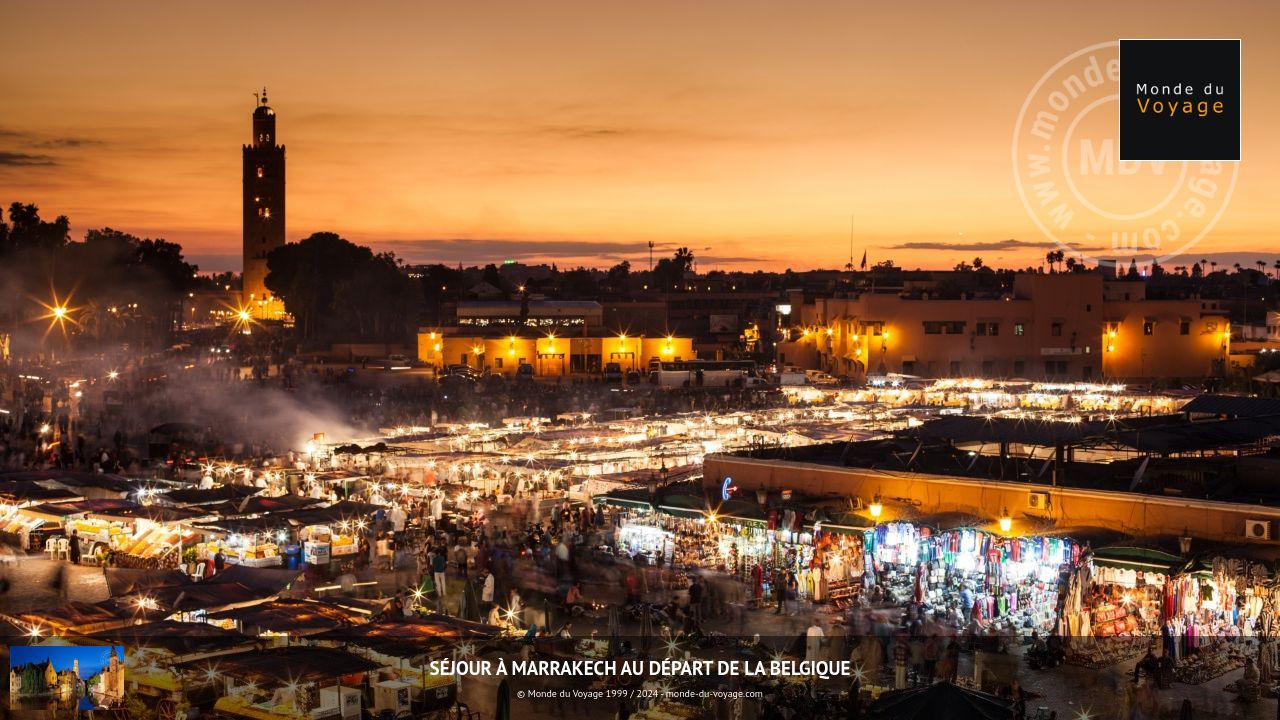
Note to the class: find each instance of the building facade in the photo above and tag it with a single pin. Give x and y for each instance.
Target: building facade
(264, 210)
(555, 337)
(1068, 327)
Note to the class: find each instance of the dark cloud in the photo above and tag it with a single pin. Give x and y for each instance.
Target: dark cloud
(17, 159)
(586, 132)
(593, 253)
(979, 246)
(67, 142)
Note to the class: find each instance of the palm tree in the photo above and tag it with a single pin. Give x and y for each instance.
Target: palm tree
(1277, 267)
(1213, 266)
(1262, 266)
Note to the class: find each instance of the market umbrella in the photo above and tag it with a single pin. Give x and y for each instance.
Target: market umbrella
(614, 643)
(940, 700)
(503, 711)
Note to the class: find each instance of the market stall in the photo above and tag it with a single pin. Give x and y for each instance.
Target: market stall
(968, 574)
(157, 536)
(404, 648)
(292, 682)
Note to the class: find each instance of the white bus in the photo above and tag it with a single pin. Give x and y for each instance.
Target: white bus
(705, 373)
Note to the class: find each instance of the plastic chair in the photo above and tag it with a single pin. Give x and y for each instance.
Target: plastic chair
(51, 546)
(64, 548)
(199, 573)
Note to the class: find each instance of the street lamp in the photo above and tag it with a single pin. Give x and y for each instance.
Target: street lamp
(1006, 522)
(876, 507)
(1184, 543)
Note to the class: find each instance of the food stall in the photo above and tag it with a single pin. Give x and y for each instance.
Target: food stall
(289, 682)
(324, 543)
(153, 649)
(24, 531)
(157, 538)
(404, 648)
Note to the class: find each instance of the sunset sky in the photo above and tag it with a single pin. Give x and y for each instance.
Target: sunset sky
(577, 132)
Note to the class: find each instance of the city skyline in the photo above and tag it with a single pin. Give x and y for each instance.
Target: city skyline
(92, 659)
(574, 133)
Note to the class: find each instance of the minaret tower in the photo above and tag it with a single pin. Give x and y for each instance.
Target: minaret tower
(263, 210)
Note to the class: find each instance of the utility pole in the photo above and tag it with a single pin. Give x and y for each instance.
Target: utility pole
(650, 261)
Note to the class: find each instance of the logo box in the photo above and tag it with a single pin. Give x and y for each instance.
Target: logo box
(1180, 99)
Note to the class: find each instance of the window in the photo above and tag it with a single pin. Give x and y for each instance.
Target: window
(955, 368)
(1088, 307)
(462, 359)
(988, 368)
(1087, 373)
(1056, 329)
(497, 362)
(1184, 327)
(1148, 328)
(943, 327)
(908, 367)
(987, 329)
(259, 171)
(1019, 368)
(1019, 329)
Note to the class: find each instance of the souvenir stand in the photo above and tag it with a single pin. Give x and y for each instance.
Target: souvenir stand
(1015, 579)
(1212, 611)
(1112, 606)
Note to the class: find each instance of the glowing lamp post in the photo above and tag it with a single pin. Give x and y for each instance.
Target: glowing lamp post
(1006, 522)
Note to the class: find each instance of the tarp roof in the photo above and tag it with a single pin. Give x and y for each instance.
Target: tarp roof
(80, 507)
(236, 585)
(28, 491)
(73, 616)
(156, 513)
(295, 617)
(179, 638)
(1233, 405)
(1134, 558)
(1201, 435)
(127, 581)
(73, 478)
(941, 700)
(256, 504)
(412, 637)
(196, 496)
(1022, 431)
(284, 665)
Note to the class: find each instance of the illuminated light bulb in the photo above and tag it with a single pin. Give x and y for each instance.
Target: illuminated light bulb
(876, 507)
(1006, 522)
